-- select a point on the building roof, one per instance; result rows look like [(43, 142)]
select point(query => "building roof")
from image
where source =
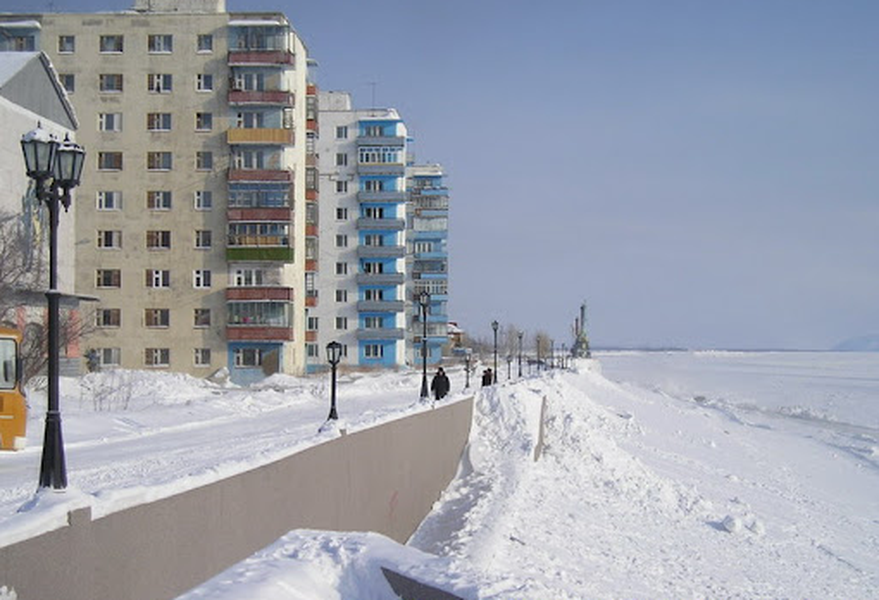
[(29, 80)]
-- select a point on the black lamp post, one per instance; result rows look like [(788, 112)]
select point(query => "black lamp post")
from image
[(494, 326), (467, 370), (56, 169), (521, 333), (552, 364), (509, 366), (334, 354), (424, 303)]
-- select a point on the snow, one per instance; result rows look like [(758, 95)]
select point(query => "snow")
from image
[(684, 474)]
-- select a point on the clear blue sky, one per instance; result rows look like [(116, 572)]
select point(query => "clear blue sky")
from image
[(702, 173)]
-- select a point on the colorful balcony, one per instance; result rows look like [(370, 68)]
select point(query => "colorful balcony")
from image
[(381, 334), (381, 251), (252, 57), (260, 135), (258, 333), (381, 224), (259, 214), (261, 97), (259, 293), (257, 175), (380, 306)]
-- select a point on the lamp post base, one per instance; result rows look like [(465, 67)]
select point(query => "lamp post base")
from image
[(53, 471)]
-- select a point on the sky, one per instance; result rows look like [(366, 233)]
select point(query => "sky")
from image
[(702, 174)]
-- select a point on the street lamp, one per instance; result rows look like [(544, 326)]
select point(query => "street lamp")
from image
[(334, 354), (521, 333), (46, 159), (494, 326), (467, 370), (509, 366), (424, 303)]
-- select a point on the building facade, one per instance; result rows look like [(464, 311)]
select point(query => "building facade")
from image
[(196, 216)]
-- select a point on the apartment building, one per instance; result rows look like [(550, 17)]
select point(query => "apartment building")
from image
[(362, 274), (196, 217)]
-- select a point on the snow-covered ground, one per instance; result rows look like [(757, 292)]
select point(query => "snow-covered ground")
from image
[(704, 475)]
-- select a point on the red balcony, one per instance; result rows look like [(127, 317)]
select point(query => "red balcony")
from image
[(311, 266), (255, 333), (311, 195), (273, 97), (310, 336), (311, 230), (260, 175), (259, 293), (311, 301), (259, 214), (261, 57)]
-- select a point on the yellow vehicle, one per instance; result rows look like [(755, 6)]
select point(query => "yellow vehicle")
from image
[(13, 409)]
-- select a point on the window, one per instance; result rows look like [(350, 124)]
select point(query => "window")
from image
[(247, 277), (159, 121), (423, 247), (341, 159), (372, 323), (341, 241), (204, 121), (156, 317), (373, 239), (159, 83), (202, 357), (374, 185), (341, 295), (159, 161), (110, 357), (108, 278), (110, 239), (109, 121), (157, 357), (248, 357), (22, 43), (341, 214), (111, 44), (68, 82), (202, 317), (203, 239), (373, 268), (204, 82), (260, 313), (204, 161), (374, 212), (66, 44), (157, 278), (311, 324), (374, 295), (341, 132), (341, 187), (110, 82), (159, 200), (249, 120), (109, 200), (373, 131), (201, 278), (312, 350), (341, 323), (108, 317), (373, 351), (160, 43), (203, 199), (249, 159), (204, 43), (341, 268), (158, 240), (110, 161)]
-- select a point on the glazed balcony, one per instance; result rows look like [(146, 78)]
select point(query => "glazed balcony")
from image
[(260, 135), (282, 214), (258, 333), (257, 175), (260, 56), (261, 97), (259, 293)]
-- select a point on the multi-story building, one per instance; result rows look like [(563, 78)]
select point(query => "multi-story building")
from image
[(196, 216), (363, 203), (428, 259)]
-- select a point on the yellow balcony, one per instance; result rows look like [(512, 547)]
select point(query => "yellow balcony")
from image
[(262, 135)]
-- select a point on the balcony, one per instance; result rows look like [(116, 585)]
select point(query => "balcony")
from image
[(381, 224), (258, 333), (311, 195), (381, 168), (382, 197), (311, 265), (367, 140), (260, 135), (381, 251), (259, 293), (379, 278), (260, 214), (257, 175), (381, 334), (381, 306), (256, 251), (253, 57), (261, 97)]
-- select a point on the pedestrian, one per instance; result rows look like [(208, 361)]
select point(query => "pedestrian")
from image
[(440, 384), (487, 378)]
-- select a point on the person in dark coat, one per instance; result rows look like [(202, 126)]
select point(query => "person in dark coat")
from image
[(440, 384), (487, 377)]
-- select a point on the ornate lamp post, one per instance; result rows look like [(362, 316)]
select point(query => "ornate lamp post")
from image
[(334, 355), (521, 333), (494, 326), (424, 303), (46, 159)]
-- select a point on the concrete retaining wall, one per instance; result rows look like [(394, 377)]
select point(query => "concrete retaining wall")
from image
[(383, 479)]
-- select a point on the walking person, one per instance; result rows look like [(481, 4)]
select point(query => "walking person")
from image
[(487, 377), (440, 384)]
